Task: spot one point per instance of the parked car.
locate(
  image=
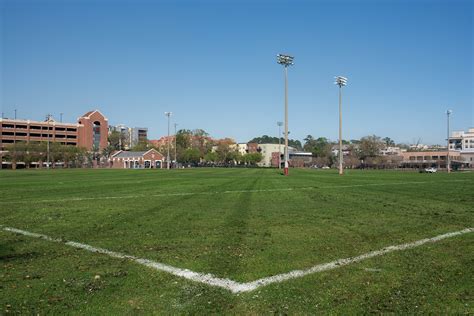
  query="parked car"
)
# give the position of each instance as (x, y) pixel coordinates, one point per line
(431, 170)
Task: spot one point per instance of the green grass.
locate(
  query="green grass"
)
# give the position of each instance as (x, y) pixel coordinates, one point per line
(238, 235)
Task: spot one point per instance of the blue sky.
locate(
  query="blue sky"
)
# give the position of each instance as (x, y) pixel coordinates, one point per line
(213, 64)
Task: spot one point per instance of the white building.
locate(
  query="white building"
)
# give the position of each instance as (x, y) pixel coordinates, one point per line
(132, 136)
(463, 142)
(240, 147)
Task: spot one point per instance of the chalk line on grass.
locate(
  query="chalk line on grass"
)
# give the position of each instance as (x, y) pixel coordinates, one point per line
(234, 286)
(226, 192)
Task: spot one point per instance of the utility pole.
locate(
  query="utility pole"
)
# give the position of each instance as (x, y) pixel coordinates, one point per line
(448, 159)
(280, 124)
(48, 118)
(15, 114)
(168, 114)
(61, 117)
(175, 146)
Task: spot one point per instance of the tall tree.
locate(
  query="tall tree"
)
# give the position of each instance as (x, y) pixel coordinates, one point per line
(117, 140)
(370, 146)
(388, 141)
(191, 155)
(265, 139)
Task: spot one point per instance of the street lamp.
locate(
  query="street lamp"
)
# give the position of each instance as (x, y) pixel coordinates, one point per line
(341, 82)
(168, 114)
(280, 124)
(175, 142)
(286, 61)
(448, 161)
(48, 119)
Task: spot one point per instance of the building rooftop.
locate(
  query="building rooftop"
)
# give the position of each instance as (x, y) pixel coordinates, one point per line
(129, 154)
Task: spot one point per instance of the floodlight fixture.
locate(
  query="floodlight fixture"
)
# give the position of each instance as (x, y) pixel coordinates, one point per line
(340, 81)
(285, 60)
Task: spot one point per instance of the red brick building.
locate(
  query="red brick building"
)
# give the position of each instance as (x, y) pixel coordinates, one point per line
(137, 159)
(91, 130)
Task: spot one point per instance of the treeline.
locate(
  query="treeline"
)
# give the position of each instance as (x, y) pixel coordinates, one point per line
(364, 152)
(196, 146)
(37, 154)
(265, 139)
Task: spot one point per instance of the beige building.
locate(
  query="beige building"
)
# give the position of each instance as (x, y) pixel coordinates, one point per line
(425, 159)
(267, 150)
(463, 142)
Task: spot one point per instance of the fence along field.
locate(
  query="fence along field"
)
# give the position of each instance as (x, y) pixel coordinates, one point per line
(253, 225)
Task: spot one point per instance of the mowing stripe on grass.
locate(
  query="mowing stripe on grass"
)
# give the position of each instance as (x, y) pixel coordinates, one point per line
(227, 192)
(237, 287)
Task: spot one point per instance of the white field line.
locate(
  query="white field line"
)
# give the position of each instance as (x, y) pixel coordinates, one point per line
(237, 287)
(226, 192)
(185, 273)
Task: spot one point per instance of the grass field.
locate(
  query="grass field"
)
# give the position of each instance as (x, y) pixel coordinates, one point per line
(238, 224)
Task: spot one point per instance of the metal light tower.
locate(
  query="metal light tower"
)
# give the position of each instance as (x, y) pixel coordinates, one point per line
(448, 159)
(280, 124)
(175, 143)
(168, 114)
(286, 61)
(341, 82)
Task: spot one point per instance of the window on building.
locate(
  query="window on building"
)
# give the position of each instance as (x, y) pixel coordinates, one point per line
(96, 134)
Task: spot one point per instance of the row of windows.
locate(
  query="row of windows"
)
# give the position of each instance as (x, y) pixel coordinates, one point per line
(11, 141)
(427, 157)
(20, 134)
(40, 127)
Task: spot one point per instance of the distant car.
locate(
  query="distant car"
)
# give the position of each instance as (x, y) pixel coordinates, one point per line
(325, 167)
(430, 170)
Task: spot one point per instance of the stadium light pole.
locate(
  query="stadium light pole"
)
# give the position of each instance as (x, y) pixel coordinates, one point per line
(286, 61)
(341, 82)
(280, 124)
(448, 159)
(175, 143)
(168, 114)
